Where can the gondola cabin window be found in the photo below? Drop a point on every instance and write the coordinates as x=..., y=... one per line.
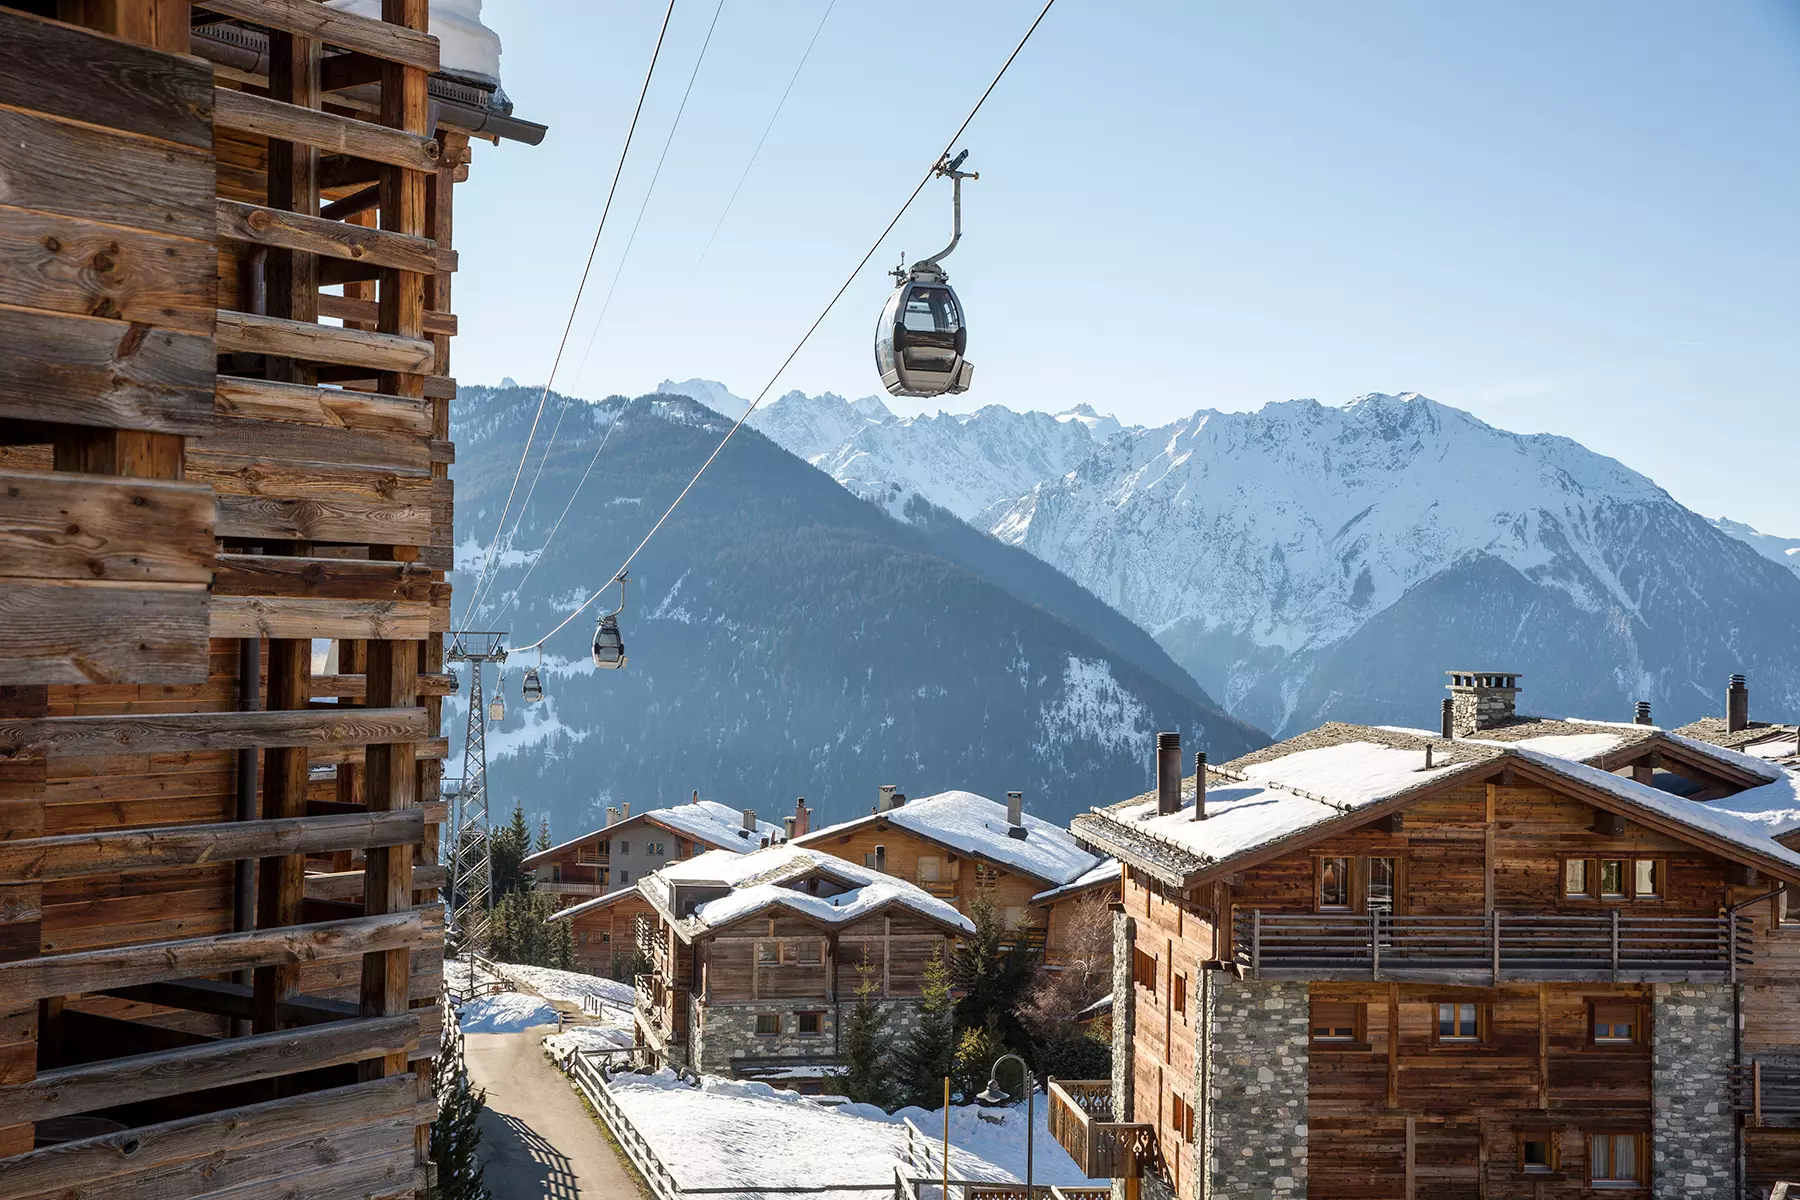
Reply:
x=1616, y=1160
x=1334, y=884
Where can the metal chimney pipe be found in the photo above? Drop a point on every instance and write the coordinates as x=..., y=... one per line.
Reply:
x=1737, y=705
x=1168, y=773
x=1428, y=756
x=1643, y=713
x=1015, y=808
x=1447, y=722
x=1199, y=785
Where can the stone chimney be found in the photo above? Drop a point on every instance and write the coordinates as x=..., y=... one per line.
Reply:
x=1199, y=785
x=802, y=818
x=612, y=814
x=750, y=820
x=1737, y=705
x=787, y=829
x=1168, y=773
x=1447, y=720
x=1481, y=700
x=1642, y=716
x=885, y=800
x=625, y=811
x=1015, y=816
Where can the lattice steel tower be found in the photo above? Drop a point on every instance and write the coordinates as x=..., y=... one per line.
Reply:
x=471, y=879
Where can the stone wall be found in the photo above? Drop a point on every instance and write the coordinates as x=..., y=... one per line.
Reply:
x=723, y=1032
x=1123, y=1018
x=1693, y=1133
x=1256, y=1087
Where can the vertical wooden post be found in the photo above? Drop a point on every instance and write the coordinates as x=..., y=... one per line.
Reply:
x=1393, y=1046
x=1256, y=943
x=1374, y=945
x=294, y=185
x=1615, y=945
x=1487, y=851
x=1756, y=1093
x=1544, y=1046
x=393, y=682
x=1494, y=933
x=1412, y=1139
x=21, y=907
x=281, y=881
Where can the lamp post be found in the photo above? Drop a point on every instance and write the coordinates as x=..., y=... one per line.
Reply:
x=992, y=1094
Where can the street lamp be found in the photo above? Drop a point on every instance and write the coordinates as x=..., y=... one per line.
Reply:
x=992, y=1094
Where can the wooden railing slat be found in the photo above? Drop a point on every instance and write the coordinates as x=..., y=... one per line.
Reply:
x=331, y=133
x=248, y=333
x=264, y=226
x=166, y=733
x=335, y=27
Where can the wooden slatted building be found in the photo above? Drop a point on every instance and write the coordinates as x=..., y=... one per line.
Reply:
x=220, y=939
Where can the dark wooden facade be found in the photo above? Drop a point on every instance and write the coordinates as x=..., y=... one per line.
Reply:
x=606, y=930
x=221, y=943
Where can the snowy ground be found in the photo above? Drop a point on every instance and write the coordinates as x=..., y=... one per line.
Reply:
x=569, y=987
x=508, y=1012
x=727, y=1134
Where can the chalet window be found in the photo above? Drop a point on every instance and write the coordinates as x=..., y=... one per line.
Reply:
x=1646, y=879
x=768, y=954
x=1180, y=999
x=624, y=847
x=809, y=1023
x=1460, y=1023
x=1611, y=1023
x=605, y=938
x=1615, y=1159
x=582, y=940
x=624, y=876
x=929, y=865
x=986, y=876
x=1537, y=1153
x=1143, y=969
x=810, y=954
x=653, y=847
x=768, y=1024
x=1334, y=1021
x=1576, y=878
x=1786, y=911
x=1612, y=879
x=1181, y=1117
x=1381, y=890
x=1334, y=884
x=1014, y=915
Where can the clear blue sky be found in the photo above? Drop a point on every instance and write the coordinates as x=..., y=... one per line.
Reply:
x=1578, y=218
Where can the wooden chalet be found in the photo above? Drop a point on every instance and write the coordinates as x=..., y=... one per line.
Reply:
x=956, y=845
x=220, y=940
x=1523, y=960
x=631, y=846
x=754, y=957
x=605, y=930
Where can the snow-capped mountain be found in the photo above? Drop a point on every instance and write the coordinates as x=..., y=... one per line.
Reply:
x=1306, y=562
x=1785, y=551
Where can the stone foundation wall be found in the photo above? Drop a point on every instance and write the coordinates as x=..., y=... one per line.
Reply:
x=1693, y=1132
x=723, y=1032
x=1256, y=1087
x=1123, y=1020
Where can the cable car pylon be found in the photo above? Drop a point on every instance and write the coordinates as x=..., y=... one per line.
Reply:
x=469, y=890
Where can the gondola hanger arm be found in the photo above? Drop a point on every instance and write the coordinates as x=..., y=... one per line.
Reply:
x=951, y=167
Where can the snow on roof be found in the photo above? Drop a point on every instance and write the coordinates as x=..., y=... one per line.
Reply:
x=1726, y=823
x=1351, y=773
x=1742, y=762
x=1106, y=872
x=761, y=879
x=1773, y=808
x=976, y=825
x=1579, y=747
x=704, y=820
x=575, y=910
x=1782, y=746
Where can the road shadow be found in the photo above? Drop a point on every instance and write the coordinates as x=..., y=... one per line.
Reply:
x=520, y=1164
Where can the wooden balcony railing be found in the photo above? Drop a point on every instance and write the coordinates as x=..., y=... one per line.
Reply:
x=1081, y=1122
x=1609, y=946
x=943, y=889
x=1760, y=1091
x=662, y=1008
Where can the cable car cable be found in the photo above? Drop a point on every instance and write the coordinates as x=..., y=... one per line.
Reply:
x=782, y=103
x=520, y=590
x=930, y=174
x=488, y=561
x=563, y=410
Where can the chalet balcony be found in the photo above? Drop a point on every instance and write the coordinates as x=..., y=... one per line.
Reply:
x=1081, y=1121
x=1613, y=946
x=1763, y=1092
x=565, y=888
x=943, y=889
x=662, y=1011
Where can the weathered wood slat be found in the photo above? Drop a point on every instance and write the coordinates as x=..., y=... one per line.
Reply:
x=335, y=27
x=68, y=736
x=69, y=525
x=348, y=885
x=325, y=578
x=251, y=334
x=347, y=308
x=90, y=970
x=355, y=756
x=327, y=131
x=237, y=443
x=361, y=522
x=92, y=1162
x=257, y=616
x=266, y=400
x=60, y=632
x=98, y=175
x=115, y=374
x=104, y=81
x=79, y=268
x=263, y=226
x=355, y=687
x=69, y=1090
x=274, y=475
x=73, y=856
x=232, y=1000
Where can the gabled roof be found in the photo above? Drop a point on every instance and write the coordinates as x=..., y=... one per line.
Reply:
x=768, y=879
x=1104, y=875
x=971, y=824
x=1286, y=796
x=598, y=902
x=705, y=821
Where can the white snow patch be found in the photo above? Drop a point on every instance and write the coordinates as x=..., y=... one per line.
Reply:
x=507, y=1012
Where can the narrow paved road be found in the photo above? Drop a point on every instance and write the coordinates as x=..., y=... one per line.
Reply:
x=537, y=1140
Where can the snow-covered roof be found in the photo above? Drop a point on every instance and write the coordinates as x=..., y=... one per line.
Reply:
x=975, y=825
x=1106, y=872
x=708, y=821
x=764, y=879
x=613, y=897
x=1580, y=747
x=1774, y=807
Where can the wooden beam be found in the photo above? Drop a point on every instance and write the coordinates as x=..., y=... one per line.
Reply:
x=346, y=308
x=390, y=784
x=356, y=756
x=335, y=27
x=72, y=856
x=348, y=885
x=250, y=334
x=148, y=962
x=231, y=1000
x=281, y=878
x=67, y=525
x=355, y=687
x=327, y=131
x=116, y=375
x=66, y=631
x=262, y=226
x=183, y=732
x=66, y=1091
x=82, y=268
x=253, y=616
x=267, y=400
x=325, y=578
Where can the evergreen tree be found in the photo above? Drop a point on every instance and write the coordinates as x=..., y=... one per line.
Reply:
x=976, y=1052
x=455, y=1134
x=543, y=838
x=512, y=843
x=866, y=1044
x=994, y=972
x=930, y=1052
